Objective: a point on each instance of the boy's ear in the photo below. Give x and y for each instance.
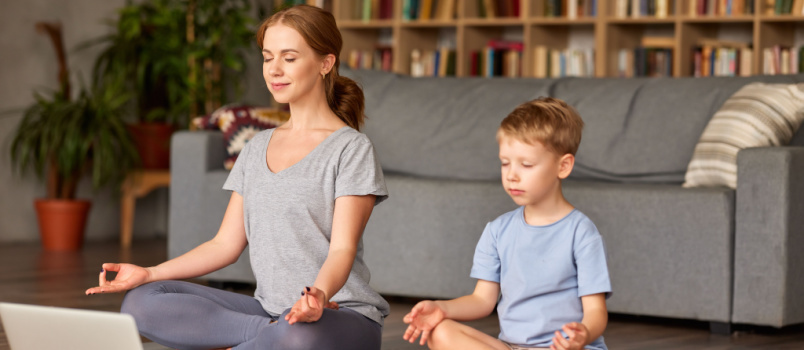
(565, 164)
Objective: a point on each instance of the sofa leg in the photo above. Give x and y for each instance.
(721, 328)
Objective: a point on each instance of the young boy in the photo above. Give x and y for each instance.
(545, 259)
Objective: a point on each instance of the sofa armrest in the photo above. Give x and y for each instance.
(769, 237)
(196, 152)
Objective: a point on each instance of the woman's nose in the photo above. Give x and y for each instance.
(274, 68)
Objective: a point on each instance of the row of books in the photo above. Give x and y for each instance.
(783, 60)
(784, 7)
(367, 10)
(428, 9)
(498, 59)
(645, 62)
(554, 63)
(380, 58)
(432, 63)
(498, 8)
(571, 9)
(722, 61)
(644, 8)
(721, 7)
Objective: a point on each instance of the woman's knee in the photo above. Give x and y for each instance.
(325, 334)
(143, 304)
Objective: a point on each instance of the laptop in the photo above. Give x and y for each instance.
(30, 327)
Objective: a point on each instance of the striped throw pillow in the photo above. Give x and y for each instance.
(757, 115)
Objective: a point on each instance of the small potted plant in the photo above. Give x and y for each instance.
(64, 139)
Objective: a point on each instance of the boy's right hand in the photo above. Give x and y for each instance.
(425, 316)
(128, 277)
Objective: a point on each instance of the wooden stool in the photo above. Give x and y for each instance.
(136, 185)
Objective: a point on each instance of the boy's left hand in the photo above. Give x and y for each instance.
(577, 333)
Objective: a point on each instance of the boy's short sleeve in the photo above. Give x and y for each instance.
(235, 180)
(590, 259)
(486, 265)
(360, 173)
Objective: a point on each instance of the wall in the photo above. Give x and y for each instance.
(28, 63)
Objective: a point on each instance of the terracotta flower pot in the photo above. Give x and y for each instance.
(152, 141)
(62, 223)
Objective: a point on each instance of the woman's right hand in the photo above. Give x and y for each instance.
(128, 277)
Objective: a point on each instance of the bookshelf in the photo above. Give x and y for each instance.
(610, 30)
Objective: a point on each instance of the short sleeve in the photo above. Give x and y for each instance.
(360, 173)
(237, 175)
(590, 259)
(486, 264)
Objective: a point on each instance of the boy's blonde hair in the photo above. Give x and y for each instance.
(547, 120)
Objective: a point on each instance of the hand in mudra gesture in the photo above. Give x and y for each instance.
(310, 306)
(421, 320)
(128, 277)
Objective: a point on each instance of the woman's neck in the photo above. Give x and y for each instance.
(312, 114)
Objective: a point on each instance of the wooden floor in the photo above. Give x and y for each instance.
(28, 275)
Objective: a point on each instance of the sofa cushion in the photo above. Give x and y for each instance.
(637, 130)
(758, 115)
(441, 127)
(239, 124)
(645, 130)
(669, 248)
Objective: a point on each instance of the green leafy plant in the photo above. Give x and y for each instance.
(177, 57)
(70, 139)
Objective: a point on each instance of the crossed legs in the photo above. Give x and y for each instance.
(185, 315)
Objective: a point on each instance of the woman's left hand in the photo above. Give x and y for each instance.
(310, 306)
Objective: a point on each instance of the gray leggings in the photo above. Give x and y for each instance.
(185, 315)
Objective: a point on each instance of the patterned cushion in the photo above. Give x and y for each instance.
(239, 124)
(757, 115)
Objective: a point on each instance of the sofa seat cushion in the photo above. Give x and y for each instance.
(422, 240)
(670, 249)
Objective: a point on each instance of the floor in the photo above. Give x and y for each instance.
(29, 275)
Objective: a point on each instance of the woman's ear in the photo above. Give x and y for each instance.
(565, 164)
(327, 64)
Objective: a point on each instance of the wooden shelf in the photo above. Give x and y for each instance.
(719, 19)
(642, 20)
(782, 18)
(609, 34)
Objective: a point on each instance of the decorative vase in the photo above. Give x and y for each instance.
(152, 141)
(62, 223)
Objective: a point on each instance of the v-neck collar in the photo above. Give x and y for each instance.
(268, 142)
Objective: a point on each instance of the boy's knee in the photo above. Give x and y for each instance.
(442, 334)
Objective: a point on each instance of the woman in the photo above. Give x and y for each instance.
(301, 196)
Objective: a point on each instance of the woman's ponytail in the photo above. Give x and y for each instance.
(345, 98)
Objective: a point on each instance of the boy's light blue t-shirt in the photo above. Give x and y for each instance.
(543, 272)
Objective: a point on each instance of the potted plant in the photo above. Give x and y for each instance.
(178, 58)
(64, 139)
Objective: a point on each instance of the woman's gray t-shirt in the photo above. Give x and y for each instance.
(288, 217)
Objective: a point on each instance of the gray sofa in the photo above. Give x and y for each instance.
(711, 254)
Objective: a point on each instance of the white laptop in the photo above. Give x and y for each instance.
(30, 327)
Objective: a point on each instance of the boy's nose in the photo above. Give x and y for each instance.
(510, 175)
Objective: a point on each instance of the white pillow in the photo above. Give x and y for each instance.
(757, 115)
